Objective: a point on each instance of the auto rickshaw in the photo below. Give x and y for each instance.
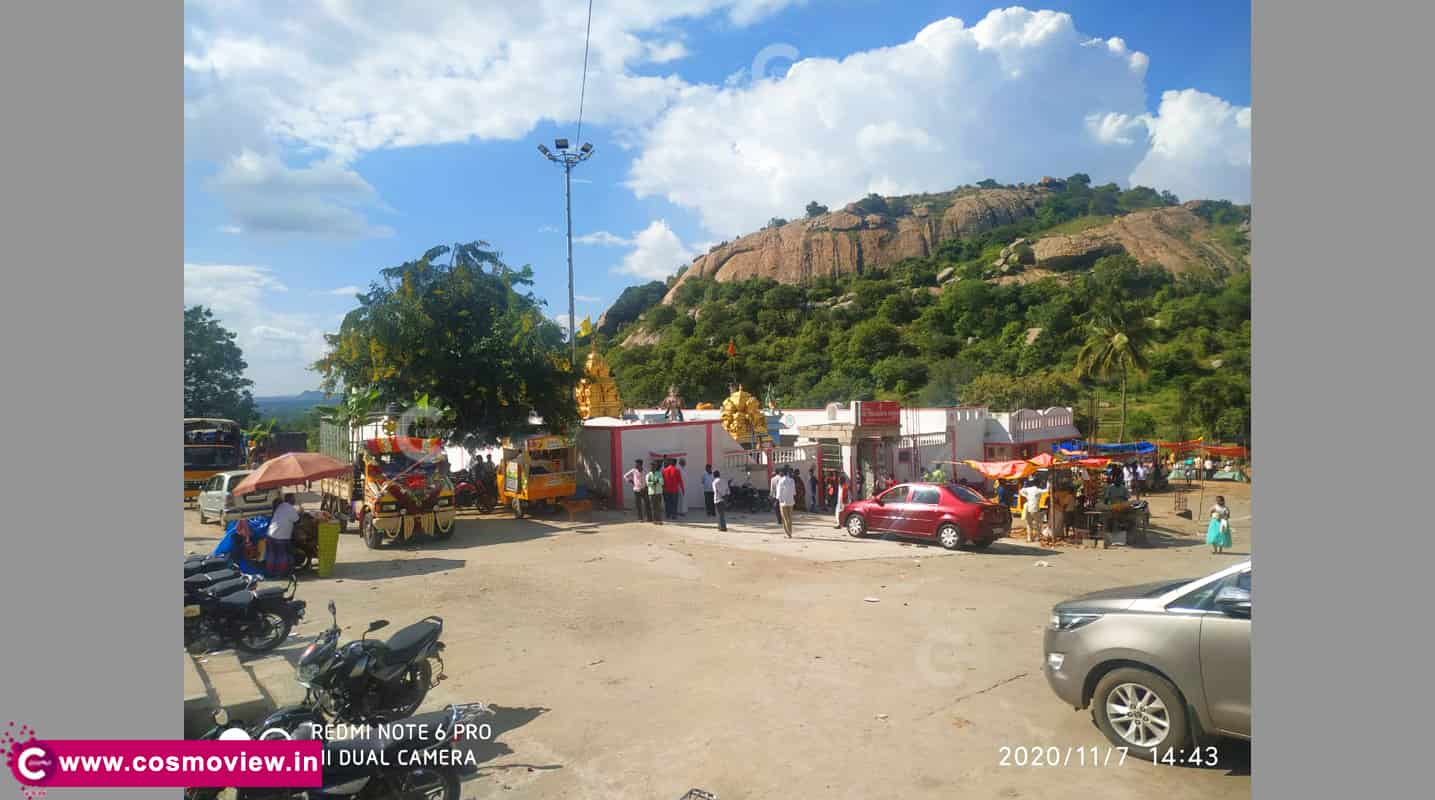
(537, 471)
(405, 491)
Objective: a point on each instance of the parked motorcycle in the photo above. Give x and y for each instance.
(374, 767)
(225, 608)
(472, 491)
(366, 681)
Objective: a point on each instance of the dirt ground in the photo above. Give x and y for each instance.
(628, 660)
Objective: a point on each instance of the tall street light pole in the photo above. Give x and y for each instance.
(568, 160)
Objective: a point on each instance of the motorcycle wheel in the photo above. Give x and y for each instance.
(302, 559)
(465, 499)
(265, 635)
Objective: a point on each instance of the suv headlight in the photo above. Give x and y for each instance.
(1070, 621)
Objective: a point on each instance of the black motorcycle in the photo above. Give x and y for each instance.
(366, 681)
(372, 767)
(224, 608)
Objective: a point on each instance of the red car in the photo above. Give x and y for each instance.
(953, 514)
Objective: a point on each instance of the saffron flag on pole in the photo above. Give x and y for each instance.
(731, 348)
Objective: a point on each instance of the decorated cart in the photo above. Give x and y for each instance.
(406, 491)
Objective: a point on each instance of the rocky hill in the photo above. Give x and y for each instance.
(857, 239)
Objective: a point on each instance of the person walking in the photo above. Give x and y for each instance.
(655, 493)
(639, 482)
(1031, 510)
(672, 480)
(708, 491)
(720, 491)
(772, 492)
(1218, 532)
(786, 498)
(815, 491)
(1063, 502)
(1210, 468)
(839, 496)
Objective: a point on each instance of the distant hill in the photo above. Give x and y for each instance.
(290, 405)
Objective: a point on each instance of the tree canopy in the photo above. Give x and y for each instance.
(214, 382)
(455, 326)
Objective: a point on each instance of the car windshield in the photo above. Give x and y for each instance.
(965, 493)
(1163, 588)
(202, 457)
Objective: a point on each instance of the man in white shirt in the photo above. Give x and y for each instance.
(786, 499)
(1031, 511)
(720, 491)
(281, 533)
(708, 500)
(639, 481)
(772, 492)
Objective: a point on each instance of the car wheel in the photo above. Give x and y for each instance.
(950, 536)
(1141, 711)
(856, 526)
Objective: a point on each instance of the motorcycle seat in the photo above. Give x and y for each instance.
(403, 646)
(269, 592)
(205, 565)
(237, 601)
(223, 588)
(204, 579)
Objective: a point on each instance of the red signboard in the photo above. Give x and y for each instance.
(878, 412)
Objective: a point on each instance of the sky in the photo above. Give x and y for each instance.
(330, 139)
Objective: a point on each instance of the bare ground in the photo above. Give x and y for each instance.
(631, 660)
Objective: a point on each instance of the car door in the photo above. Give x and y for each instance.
(920, 511)
(886, 515)
(1226, 666)
(208, 494)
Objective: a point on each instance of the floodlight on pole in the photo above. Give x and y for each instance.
(568, 160)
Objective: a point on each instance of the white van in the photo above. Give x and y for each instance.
(218, 505)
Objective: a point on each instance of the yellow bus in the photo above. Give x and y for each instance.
(211, 446)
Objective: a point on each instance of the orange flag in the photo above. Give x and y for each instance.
(731, 349)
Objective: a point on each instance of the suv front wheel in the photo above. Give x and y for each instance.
(1140, 711)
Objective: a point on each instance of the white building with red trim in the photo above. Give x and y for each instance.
(876, 441)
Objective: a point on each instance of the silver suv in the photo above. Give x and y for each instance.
(1158, 664)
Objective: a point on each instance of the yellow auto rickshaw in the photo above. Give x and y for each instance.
(539, 470)
(406, 491)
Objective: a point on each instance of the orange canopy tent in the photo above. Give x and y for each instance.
(1044, 460)
(292, 469)
(1003, 470)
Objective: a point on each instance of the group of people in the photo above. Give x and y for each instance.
(658, 493)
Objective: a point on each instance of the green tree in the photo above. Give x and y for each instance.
(815, 209)
(461, 333)
(214, 382)
(776, 222)
(1114, 347)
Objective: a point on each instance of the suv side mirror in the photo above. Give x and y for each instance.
(1234, 601)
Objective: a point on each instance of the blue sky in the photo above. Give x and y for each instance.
(325, 143)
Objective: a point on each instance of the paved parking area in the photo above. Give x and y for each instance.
(629, 660)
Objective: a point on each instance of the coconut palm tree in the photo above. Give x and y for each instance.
(1115, 346)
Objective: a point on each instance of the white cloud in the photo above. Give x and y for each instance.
(344, 291)
(1018, 95)
(585, 298)
(1200, 148)
(603, 238)
(657, 253)
(549, 229)
(347, 79)
(265, 196)
(278, 346)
